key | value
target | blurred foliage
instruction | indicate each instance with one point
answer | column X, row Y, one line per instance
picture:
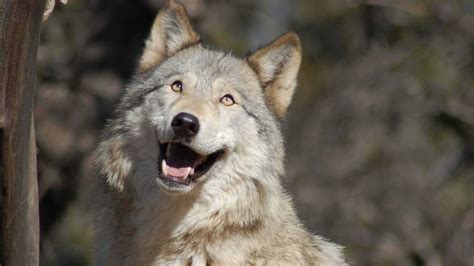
column 380, row 134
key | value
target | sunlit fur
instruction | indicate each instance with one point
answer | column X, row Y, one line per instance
column 237, row 213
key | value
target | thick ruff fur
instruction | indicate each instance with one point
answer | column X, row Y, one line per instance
column 237, row 212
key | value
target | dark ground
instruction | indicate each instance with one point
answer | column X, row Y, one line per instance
column 380, row 134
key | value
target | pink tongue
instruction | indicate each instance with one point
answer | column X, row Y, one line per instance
column 176, row 172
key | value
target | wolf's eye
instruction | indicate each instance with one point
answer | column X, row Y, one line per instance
column 177, row 86
column 227, row 100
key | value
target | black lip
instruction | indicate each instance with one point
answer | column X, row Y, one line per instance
column 200, row 170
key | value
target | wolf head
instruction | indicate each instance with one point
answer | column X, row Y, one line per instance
column 194, row 116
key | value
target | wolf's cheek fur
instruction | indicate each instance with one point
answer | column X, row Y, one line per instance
column 155, row 109
column 112, row 163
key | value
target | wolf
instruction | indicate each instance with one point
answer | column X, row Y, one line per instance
column 189, row 169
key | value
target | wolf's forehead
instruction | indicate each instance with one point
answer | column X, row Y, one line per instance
column 209, row 65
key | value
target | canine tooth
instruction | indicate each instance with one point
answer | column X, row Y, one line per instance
column 191, row 172
column 164, row 167
column 188, row 169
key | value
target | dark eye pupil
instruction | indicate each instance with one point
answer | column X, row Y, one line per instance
column 178, row 84
column 228, row 98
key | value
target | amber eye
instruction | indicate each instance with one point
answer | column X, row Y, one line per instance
column 228, row 100
column 177, row 86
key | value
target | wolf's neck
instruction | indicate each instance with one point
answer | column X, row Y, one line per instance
column 240, row 202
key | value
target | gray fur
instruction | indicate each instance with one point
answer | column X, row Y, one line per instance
column 235, row 214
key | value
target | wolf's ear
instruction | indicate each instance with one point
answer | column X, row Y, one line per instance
column 277, row 66
column 170, row 33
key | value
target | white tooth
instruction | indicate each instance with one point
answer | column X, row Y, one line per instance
column 191, row 172
column 188, row 169
column 164, row 167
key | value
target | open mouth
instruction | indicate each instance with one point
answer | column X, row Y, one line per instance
column 180, row 165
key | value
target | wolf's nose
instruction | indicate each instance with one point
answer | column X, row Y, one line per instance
column 185, row 125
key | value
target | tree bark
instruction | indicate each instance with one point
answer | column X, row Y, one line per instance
column 20, row 23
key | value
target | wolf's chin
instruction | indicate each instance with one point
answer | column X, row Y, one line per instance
column 180, row 167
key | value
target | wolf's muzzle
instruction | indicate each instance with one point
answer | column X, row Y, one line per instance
column 185, row 125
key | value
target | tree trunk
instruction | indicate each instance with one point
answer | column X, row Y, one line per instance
column 20, row 23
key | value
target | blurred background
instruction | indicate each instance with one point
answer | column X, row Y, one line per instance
column 380, row 134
